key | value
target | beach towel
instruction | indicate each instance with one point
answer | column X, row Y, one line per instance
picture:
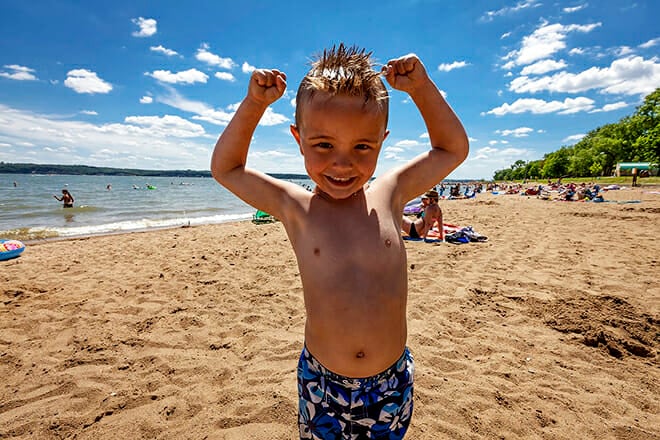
column 451, row 233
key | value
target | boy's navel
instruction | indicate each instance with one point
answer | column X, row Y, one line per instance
column 359, row 354
column 317, row 251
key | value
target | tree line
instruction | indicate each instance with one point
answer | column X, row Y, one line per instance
column 635, row 138
column 76, row 170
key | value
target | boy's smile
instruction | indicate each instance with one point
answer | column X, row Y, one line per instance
column 340, row 138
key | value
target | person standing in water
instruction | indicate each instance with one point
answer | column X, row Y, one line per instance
column 66, row 199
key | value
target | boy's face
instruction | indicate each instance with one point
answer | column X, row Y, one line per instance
column 340, row 138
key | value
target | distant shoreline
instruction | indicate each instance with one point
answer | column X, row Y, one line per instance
column 86, row 170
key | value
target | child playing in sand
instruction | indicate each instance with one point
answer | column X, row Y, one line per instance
column 355, row 373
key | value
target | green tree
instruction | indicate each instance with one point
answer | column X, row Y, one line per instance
column 555, row 164
column 646, row 121
column 631, row 139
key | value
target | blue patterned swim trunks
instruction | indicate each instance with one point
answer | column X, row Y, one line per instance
column 334, row 407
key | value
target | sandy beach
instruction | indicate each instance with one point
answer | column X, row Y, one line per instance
column 549, row 330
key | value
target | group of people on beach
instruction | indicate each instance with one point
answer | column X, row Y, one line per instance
column 553, row 190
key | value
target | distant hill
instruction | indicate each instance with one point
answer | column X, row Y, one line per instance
column 33, row 168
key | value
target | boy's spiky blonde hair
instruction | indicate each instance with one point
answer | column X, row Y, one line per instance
column 347, row 71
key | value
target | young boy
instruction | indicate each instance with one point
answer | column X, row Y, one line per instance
column 355, row 373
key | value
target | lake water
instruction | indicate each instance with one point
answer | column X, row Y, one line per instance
column 28, row 210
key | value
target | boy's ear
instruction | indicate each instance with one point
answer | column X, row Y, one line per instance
column 296, row 135
column 387, row 133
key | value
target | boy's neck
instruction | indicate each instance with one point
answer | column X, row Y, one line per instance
column 319, row 192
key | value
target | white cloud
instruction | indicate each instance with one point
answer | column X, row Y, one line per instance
column 246, row 68
column 543, row 66
column 650, row 43
column 163, row 50
column 146, row 100
column 225, row 76
column 189, row 76
column 89, row 112
column 570, row 10
column 401, row 150
column 168, row 125
column 490, row 15
column 212, row 59
column 614, row 106
column 516, row 132
column 166, row 142
column 216, row 117
column 271, row 118
column 485, row 161
column 86, row 81
column 147, row 27
column 505, row 35
column 623, row 51
column 408, row 143
column 611, row 107
column 630, row 76
column 574, row 137
column 545, row 41
column 203, row 112
column 539, row 106
column 447, row 67
column 391, row 149
column 18, row 73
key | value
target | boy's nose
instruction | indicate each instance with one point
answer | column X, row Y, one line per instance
column 342, row 160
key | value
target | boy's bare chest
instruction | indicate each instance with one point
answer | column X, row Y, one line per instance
column 353, row 240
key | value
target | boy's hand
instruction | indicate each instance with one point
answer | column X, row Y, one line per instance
column 405, row 73
column 266, row 85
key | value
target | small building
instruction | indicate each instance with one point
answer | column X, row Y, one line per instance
column 625, row 168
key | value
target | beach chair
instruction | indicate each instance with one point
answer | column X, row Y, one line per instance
column 260, row 217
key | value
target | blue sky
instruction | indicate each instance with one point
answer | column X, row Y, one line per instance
column 151, row 84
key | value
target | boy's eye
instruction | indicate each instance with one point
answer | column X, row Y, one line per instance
column 324, row 145
column 362, row 147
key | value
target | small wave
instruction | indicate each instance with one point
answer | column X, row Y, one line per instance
column 123, row 226
column 27, row 234
column 82, row 208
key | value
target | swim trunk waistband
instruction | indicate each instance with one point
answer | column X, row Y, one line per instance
column 356, row 382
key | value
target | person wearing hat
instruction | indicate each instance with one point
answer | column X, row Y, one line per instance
column 420, row 227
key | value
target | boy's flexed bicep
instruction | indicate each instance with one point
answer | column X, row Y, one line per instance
column 449, row 144
column 228, row 162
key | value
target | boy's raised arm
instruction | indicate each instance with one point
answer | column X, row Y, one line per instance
column 446, row 133
column 230, row 154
